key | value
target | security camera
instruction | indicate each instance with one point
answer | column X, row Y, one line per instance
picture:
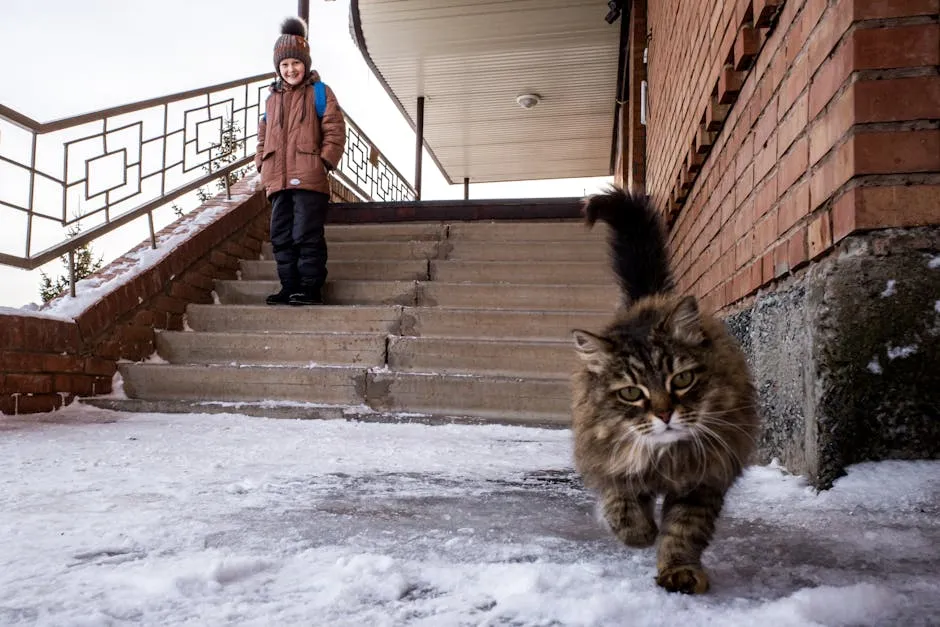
column 613, row 13
column 527, row 101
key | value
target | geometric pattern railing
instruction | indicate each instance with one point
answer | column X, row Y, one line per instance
column 102, row 170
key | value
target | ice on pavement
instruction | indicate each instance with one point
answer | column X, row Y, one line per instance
column 150, row 519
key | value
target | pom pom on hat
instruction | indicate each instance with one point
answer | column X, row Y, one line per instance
column 292, row 44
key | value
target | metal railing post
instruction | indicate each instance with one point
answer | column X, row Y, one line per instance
column 419, row 146
column 303, row 11
column 153, row 233
column 72, row 272
column 466, row 188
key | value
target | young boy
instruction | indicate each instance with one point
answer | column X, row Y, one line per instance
column 296, row 149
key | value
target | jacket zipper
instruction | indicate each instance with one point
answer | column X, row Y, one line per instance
column 284, row 131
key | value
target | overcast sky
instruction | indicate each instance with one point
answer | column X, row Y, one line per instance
column 64, row 57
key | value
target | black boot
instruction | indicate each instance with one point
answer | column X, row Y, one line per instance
column 281, row 298
column 307, row 296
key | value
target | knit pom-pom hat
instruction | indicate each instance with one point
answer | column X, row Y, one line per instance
column 292, row 44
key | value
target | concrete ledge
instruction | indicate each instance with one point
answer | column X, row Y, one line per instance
column 847, row 356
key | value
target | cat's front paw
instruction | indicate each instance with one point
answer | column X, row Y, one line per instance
column 684, row 579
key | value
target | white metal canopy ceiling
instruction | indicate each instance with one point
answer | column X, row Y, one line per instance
column 471, row 59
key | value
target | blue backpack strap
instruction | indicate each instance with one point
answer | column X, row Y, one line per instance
column 319, row 93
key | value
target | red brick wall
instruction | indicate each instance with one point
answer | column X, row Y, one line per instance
column 767, row 146
column 45, row 363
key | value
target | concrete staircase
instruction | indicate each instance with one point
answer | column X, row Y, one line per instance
column 424, row 321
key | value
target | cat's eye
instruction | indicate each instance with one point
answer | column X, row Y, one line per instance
column 682, row 380
column 630, row 394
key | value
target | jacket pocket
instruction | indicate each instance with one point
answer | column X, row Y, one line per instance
column 308, row 159
column 268, row 151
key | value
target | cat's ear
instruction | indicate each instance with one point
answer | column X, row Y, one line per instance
column 593, row 349
column 685, row 322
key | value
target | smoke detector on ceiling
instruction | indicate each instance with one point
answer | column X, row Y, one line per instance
column 527, row 101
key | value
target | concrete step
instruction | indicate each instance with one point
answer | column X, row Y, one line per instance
column 569, row 250
column 322, row 384
column 549, row 359
column 555, row 272
column 502, row 231
column 375, row 270
column 502, row 324
column 433, row 294
column 366, row 349
column 400, row 232
column 334, row 292
column 494, row 398
column 358, row 250
column 262, row 319
column 486, row 397
column 508, row 296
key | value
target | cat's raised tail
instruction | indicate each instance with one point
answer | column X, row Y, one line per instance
column 637, row 241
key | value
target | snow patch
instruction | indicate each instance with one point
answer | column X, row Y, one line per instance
column 890, row 289
column 874, row 366
column 901, row 352
column 222, row 519
column 119, row 273
column 31, row 311
column 155, row 358
column 934, row 263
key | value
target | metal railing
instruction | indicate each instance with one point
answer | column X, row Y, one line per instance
column 115, row 166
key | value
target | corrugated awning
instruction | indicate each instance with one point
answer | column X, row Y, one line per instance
column 471, row 59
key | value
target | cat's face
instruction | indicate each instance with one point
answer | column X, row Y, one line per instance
column 650, row 382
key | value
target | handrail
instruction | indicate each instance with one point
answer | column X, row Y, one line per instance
column 94, row 166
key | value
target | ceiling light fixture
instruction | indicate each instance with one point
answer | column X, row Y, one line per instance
column 527, row 101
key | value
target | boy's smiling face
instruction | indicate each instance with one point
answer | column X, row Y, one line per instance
column 292, row 71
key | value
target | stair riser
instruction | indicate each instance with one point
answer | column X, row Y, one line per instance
column 221, row 383
column 524, row 297
column 431, row 294
column 564, row 250
column 434, row 231
column 519, row 231
column 274, row 348
column 430, row 322
column 461, row 396
column 509, row 358
column 483, row 397
column 358, row 251
column 334, row 293
column 261, row 319
column 546, row 272
column 412, row 270
column 526, row 251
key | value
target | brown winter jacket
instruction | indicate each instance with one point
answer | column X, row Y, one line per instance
column 294, row 150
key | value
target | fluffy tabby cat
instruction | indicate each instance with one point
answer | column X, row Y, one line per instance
column 663, row 403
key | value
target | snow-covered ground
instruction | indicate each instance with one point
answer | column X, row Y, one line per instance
column 114, row 519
